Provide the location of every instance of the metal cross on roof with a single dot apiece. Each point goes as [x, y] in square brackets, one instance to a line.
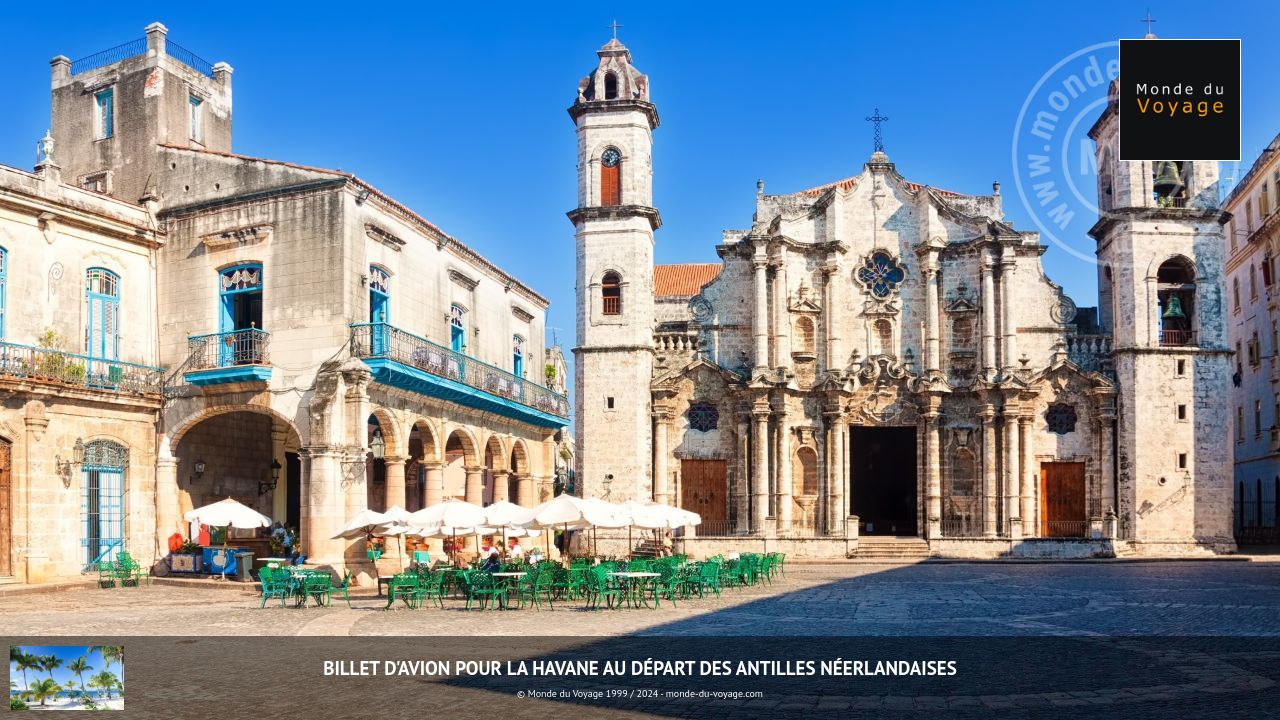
[614, 26]
[877, 119]
[1148, 20]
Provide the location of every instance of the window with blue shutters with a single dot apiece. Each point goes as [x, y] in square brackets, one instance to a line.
[517, 356]
[104, 114]
[458, 328]
[102, 328]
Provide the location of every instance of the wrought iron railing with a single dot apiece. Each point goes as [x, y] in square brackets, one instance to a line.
[229, 349]
[1177, 337]
[712, 528]
[109, 56]
[188, 58]
[1066, 528]
[55, 366]
[961, 526]
[381, 340]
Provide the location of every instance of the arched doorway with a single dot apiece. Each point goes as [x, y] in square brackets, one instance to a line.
[460, 458]
[376, 465]
[423, 457]
[519, 478]
[495, 471]
[248, 455]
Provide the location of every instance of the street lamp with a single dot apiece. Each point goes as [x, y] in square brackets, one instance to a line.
[264, 487]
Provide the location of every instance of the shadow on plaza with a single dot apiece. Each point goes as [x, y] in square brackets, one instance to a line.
[1053, 672]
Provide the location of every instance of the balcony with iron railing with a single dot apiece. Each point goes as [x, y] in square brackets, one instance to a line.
[229, 357]
[58, 368]
[138, 48]
[1177, 338]
[410, 362]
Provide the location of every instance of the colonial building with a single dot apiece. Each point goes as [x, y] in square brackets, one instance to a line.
[326, 348]
[78, 372]
[1253, 242]
[878, 357]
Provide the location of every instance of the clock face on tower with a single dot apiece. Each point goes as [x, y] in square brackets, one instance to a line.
[610, 157]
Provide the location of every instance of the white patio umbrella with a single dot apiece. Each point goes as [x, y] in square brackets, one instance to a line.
[505, 515]
[360, 525]
[450, 513]
[227, 513]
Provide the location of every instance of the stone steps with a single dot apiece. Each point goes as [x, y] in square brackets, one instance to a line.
[8, 580]
[892, 548]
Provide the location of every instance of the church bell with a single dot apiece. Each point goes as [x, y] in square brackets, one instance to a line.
[1168, 178]
[1174, 310]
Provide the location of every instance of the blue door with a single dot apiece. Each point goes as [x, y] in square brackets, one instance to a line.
[102, 502]
[102, 324]
[379, 309]
[240, 319]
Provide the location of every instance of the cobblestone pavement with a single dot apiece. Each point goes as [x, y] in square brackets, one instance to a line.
[1174, 598]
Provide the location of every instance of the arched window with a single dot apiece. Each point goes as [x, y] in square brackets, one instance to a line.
[102, 326]
[102, 501]
[610, 86]
[883, 332]
[804, 336]
[1176, 290]
[805, 481]
[611, 293]
[458, 328]
[610, 177]
[517, 356]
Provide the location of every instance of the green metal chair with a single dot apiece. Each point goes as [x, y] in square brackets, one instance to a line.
[274, 584]
[107, 574]
[602, 587]
[407, 586]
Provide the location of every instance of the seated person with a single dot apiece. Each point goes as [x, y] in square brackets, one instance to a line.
[515, 553]
[490, 563]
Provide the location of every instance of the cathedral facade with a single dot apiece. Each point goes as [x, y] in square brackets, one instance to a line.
[875, 360]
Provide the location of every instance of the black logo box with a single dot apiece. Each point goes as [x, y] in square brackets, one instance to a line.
[1187, 68]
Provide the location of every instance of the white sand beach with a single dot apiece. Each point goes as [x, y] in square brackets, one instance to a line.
[75, 704]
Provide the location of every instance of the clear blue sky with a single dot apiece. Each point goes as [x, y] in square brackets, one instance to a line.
[459, 112]
[63, 676]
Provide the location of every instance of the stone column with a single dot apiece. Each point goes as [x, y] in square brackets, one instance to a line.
[26, 496]
[501, 485]
[474, 488]
[989, 363]
[1008, 266]
[781, 313]
[1013, 491]
[837, 510]
[760, 319]
[830, 305]
[434, 490]
[395, 493]
[1106, 466]
[990, 498]
[323, 505]
[1029, 480]
[168, 517]
[661, 476]
[933, 470]
[782, 481]
[759, 470]
[932, 357]
[525, 491]
[742, 481]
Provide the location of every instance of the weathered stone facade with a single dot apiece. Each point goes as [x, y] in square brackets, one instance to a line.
[1252, 244]
[76, 389]
[875, 356]
[326, 349]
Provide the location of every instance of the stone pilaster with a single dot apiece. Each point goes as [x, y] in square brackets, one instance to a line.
[323, 504]
[782, 478]
[661, 475]
[280, 494]
[781, 313]
[760, 318]
[759, 469]
[835, 360]
[932, 331]
[989, 363]
[933, 469]
[1030, 482]
[35, 556]
[742, 479]
[1013, 486]
[1008, 322]
[990, 488]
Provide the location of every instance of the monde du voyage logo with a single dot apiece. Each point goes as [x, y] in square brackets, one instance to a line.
[1179, 99]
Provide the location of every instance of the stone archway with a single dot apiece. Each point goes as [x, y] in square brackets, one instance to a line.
[520, 484]
[423, 468]
[463, 473]
[497, 473]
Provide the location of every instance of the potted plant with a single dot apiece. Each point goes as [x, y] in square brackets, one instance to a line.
[187, 558]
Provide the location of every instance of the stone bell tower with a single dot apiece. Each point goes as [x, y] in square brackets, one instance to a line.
[1161, 284]
[614, 223]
